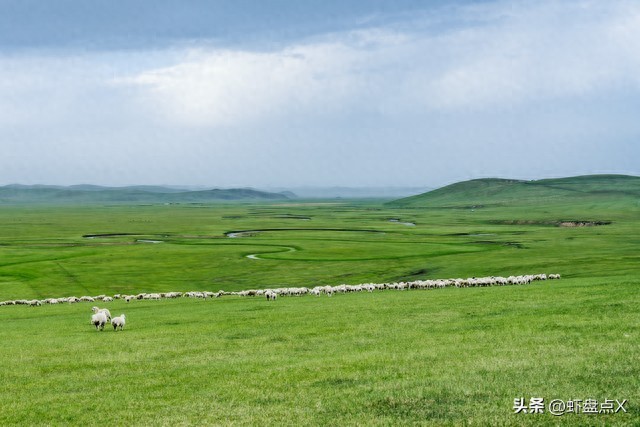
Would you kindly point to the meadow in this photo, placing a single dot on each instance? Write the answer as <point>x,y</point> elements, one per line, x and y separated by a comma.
<point>437,357</point>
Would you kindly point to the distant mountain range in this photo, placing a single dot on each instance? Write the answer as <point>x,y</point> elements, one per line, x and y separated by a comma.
<point>86,193</point>
<point>17,193</point>
<point>477,192</point>
<point>497,191</point>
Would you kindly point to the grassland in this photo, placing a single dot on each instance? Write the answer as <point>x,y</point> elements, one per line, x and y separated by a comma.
<point>441,357</point>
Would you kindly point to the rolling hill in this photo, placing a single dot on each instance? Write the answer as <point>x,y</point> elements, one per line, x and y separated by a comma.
<point>135,194</point>
<point>496,191</point>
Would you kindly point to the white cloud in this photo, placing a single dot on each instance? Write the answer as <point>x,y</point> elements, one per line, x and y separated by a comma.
<point>226,87</point>
<point>504,55</point>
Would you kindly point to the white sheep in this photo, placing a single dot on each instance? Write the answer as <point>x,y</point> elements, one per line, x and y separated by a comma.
<point>102,310</point>
<point>118,321</point>
<point>99,320</point>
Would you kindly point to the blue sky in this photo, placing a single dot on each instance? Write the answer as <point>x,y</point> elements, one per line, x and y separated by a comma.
<point>316,93</point>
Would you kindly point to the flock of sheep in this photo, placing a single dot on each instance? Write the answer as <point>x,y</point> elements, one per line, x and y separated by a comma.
<point>272,294</point>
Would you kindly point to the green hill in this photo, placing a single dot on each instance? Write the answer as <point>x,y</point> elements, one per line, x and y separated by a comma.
<point>496,192</point>
<point>12,194</point>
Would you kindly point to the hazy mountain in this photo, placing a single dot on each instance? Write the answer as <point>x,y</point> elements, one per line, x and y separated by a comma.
<point>497,191</point>
<point>17,193</point>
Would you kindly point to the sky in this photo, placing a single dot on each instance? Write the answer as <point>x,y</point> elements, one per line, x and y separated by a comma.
<point>288,93</point>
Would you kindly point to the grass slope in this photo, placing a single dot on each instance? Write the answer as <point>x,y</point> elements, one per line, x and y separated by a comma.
<point>494,191</point>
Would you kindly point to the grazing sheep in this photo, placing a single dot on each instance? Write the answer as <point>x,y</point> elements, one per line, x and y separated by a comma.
<point>118,321</point>
<point>99,320</point>
<point>271,296</point>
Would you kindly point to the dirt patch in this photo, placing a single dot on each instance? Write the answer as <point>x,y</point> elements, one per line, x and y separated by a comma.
<point>582,223</point>
<point>551,223</point>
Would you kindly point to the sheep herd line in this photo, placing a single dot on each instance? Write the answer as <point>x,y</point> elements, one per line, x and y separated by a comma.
<point>274,293</point>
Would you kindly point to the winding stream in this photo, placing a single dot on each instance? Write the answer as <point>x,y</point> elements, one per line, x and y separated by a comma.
<point>408,224</point>
<point>109,235</point>
<point>248,233</point>
<point>257,256</point>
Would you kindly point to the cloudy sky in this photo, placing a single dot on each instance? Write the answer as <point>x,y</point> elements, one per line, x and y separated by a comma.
<point>286,93</point>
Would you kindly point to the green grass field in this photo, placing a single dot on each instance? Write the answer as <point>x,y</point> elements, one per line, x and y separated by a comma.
<point>437,357</point>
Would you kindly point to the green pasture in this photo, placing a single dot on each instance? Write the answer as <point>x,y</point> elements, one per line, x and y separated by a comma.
<point>43,252</point>
<point>438,357</point>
